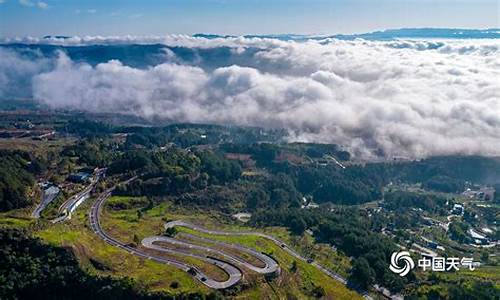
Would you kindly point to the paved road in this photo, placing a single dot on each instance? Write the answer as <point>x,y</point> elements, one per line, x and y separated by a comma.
<point>270,265</point>
<point>278,242</point>
<point>48,195</point>
<point>70,205</point>
<point>234,275</point>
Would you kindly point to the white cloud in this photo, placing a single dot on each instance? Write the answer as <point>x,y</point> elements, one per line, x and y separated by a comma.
<point>411,98</point>
<point>42,5</point>
<point>29,3</point>
<point>17,71</point>
<point>26,3</point>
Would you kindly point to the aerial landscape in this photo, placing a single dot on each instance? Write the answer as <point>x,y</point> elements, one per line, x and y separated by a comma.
<point>249,150</point>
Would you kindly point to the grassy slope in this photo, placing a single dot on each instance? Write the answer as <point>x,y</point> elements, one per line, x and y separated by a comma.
<point>157,277</point>
<point>300,283</point>
<point>17,218</point>
<point>86,245</point>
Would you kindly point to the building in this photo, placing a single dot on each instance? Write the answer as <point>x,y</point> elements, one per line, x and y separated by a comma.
<point>458,209</point>
<point>478,238</point>
<point>79,177</point>
<point>483,193</point>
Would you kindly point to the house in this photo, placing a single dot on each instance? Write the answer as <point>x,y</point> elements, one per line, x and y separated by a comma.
<point>483,193</point>
<point>458,209</point>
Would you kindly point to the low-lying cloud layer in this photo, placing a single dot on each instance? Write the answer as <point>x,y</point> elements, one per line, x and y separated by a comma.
<point>395,98</point>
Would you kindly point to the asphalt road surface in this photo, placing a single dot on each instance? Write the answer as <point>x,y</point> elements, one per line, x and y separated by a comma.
<point>48,195</point>
<point>283,246</point>
<point>270,265</point>
<point>181,248</point>
<point>73,202</point>
<point>234,274</point>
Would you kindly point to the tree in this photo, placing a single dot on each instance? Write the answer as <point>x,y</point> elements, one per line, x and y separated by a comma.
<point>485,257</point>
<point>362,273</point>
<point>318,291</point>
<point>171,231</point>
<point>297,225</point>
<point>29,267</point>
<point>218,168</point>
<point>257,198</point>
<point>457,231</point>
<point>293,267</point>
<point>16,176</point>
<point>136,239</point>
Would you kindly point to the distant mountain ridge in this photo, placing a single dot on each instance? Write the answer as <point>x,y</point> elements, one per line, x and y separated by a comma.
<point>389,34</point>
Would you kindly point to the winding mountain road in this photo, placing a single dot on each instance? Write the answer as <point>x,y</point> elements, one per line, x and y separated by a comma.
<point>234,274</point>
<point>229,263</point>
<point>278,242</point>
<point>270,265</point>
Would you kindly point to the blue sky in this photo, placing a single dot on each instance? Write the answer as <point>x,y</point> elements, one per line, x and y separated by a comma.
<point>157,17</point>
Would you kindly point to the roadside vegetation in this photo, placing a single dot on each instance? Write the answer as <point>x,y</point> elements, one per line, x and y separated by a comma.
<point>348,216</point>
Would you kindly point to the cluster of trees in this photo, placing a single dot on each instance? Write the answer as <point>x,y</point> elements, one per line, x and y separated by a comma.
<point>32,270</point>
<point>296,220</point>
<point>458,231</point>
<point>174,171</point>
<point>351,232</point>
<point>219,169</point>
<point>353,185</point>
<point>358,184</point>
<point>320,150</point>
<point>17,170</point>
<point>188,135</point>
<point>402,200</point>
<point>265,153</point>
<point>227,198</point>
<point>449,287</point>
<point>91,152</point>
<point>162,172</point>
<point>274,191</point>
<point>129,203</point>
<point>88,128</point>
<point>131,161</point>
<point>450,173</point>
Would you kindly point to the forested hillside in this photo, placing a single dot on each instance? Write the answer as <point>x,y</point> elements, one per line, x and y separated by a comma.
<point>17,170</point>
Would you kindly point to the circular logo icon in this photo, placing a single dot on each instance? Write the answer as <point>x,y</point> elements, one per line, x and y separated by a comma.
<point>401,263</point>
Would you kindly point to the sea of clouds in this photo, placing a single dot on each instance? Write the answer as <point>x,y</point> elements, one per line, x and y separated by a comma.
<point>377,98</point>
